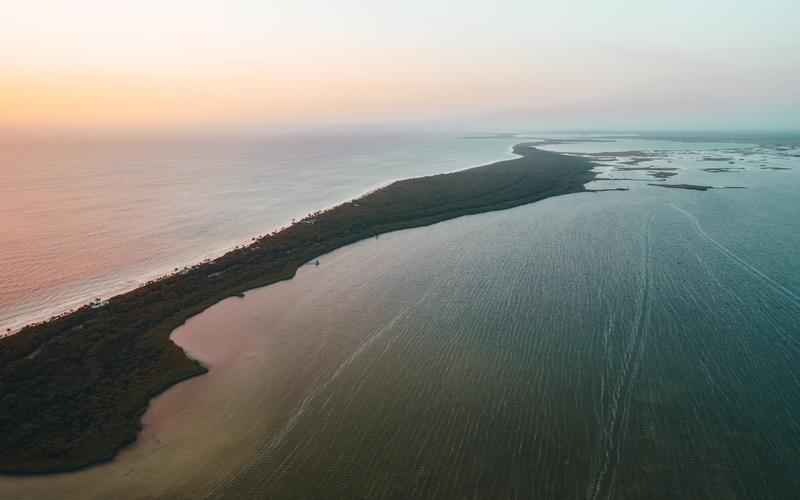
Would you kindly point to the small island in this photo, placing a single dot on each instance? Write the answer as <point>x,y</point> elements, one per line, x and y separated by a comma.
<point>73,388</point>
<point>695,187</point>
<point>720,170</point>
<point>691,187</point>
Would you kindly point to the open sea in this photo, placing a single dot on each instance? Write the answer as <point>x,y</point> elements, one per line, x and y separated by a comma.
<point>639,344</point>
<point>91,218</point>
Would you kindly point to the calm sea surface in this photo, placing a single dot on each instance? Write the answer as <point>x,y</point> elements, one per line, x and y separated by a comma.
<point>620,345</point>
<point>83,219</point>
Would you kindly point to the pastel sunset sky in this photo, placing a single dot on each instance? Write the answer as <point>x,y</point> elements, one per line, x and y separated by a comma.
<point>177,64</point>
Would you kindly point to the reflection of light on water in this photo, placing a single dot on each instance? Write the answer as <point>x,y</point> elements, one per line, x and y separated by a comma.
<point>504,346</point>
<point>72,234</point>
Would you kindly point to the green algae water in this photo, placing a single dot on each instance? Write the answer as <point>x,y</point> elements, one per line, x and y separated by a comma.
<point>615,345</point>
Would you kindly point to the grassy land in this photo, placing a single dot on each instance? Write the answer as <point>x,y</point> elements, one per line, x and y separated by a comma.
<point>73,388</point>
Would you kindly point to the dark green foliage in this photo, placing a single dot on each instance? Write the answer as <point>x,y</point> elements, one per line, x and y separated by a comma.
<point>73,388</point>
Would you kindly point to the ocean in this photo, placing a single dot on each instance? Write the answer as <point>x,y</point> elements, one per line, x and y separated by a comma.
<point>91,218</point>
<point>612,345</point>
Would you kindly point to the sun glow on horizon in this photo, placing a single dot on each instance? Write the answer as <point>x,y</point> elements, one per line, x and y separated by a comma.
<point>245,63</point>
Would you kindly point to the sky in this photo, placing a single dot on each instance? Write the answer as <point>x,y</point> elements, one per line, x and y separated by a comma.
<point>247,64</point>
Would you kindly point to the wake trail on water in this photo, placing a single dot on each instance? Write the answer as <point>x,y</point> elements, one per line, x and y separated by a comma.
<point>278,438</point>
<point>775,285</point>
<point>615,428</point>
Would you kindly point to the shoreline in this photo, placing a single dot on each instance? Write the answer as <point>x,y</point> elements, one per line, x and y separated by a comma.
<point>12,324</point>
<point>108,361</point>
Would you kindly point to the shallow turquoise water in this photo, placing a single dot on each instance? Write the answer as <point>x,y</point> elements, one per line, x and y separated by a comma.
<point>625,345</point>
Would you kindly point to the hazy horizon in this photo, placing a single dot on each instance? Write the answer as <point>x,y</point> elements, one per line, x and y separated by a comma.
<point>247,65</point>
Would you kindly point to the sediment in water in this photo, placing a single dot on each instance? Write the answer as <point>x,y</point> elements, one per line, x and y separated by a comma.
<point>75,387</point>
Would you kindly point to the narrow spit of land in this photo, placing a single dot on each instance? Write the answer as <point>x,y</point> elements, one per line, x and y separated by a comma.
<point>73,388</point>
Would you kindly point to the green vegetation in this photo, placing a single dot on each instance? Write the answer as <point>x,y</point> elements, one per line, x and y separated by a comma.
<point>73,388</point>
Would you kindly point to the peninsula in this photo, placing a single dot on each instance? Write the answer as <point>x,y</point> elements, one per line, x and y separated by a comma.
<point>73,388</point>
